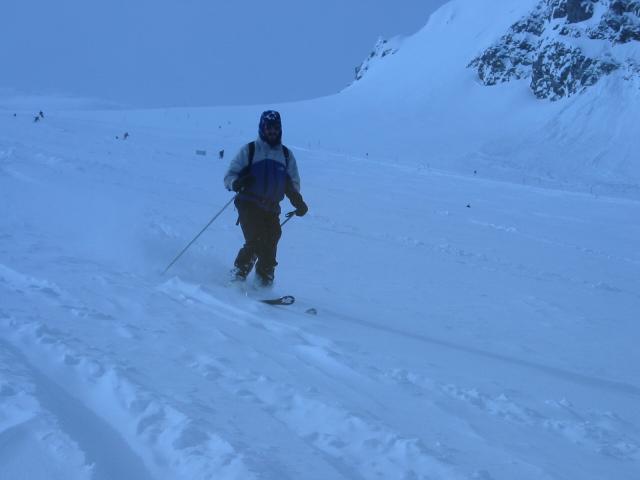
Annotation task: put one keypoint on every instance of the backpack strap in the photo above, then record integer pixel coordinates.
(252, 152)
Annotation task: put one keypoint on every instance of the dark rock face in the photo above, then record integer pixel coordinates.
(382, 49)
(542, 46)
(560, 72)
(619, 7)
(497, 64)
(574, 11)
(621, 23)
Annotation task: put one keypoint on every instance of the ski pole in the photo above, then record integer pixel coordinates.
(289, 217)
(197, 236)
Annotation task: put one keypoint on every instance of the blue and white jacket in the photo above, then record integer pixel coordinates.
(274, 175)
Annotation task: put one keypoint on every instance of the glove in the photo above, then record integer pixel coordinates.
(242, 183)
(302, 209)
(298, 202)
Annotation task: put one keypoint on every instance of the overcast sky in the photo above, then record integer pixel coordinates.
(195, 52)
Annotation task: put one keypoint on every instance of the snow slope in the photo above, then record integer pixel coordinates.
(466, 327)
(425, 105)
(490, 341)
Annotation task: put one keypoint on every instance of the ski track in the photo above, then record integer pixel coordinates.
(149, 429)
(364, 447)
(598, 432)
(104, 450)
(354, 444)
(26, 422)
(169, 442)
(604, 433)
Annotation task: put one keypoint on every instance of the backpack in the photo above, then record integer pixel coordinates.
(267, 195)
(252, 152)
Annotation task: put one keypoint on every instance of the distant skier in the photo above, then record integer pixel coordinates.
(262, 173)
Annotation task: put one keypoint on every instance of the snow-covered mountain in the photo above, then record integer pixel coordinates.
(447, 326)
(471, 92)
(566, 46)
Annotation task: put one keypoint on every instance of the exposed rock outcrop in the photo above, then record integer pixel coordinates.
(551, 46)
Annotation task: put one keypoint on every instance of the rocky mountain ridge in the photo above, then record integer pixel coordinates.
(566, 46)
(383, 48)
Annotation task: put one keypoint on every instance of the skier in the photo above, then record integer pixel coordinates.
(261, 174)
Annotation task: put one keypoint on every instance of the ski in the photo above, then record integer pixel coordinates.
(286, 300)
